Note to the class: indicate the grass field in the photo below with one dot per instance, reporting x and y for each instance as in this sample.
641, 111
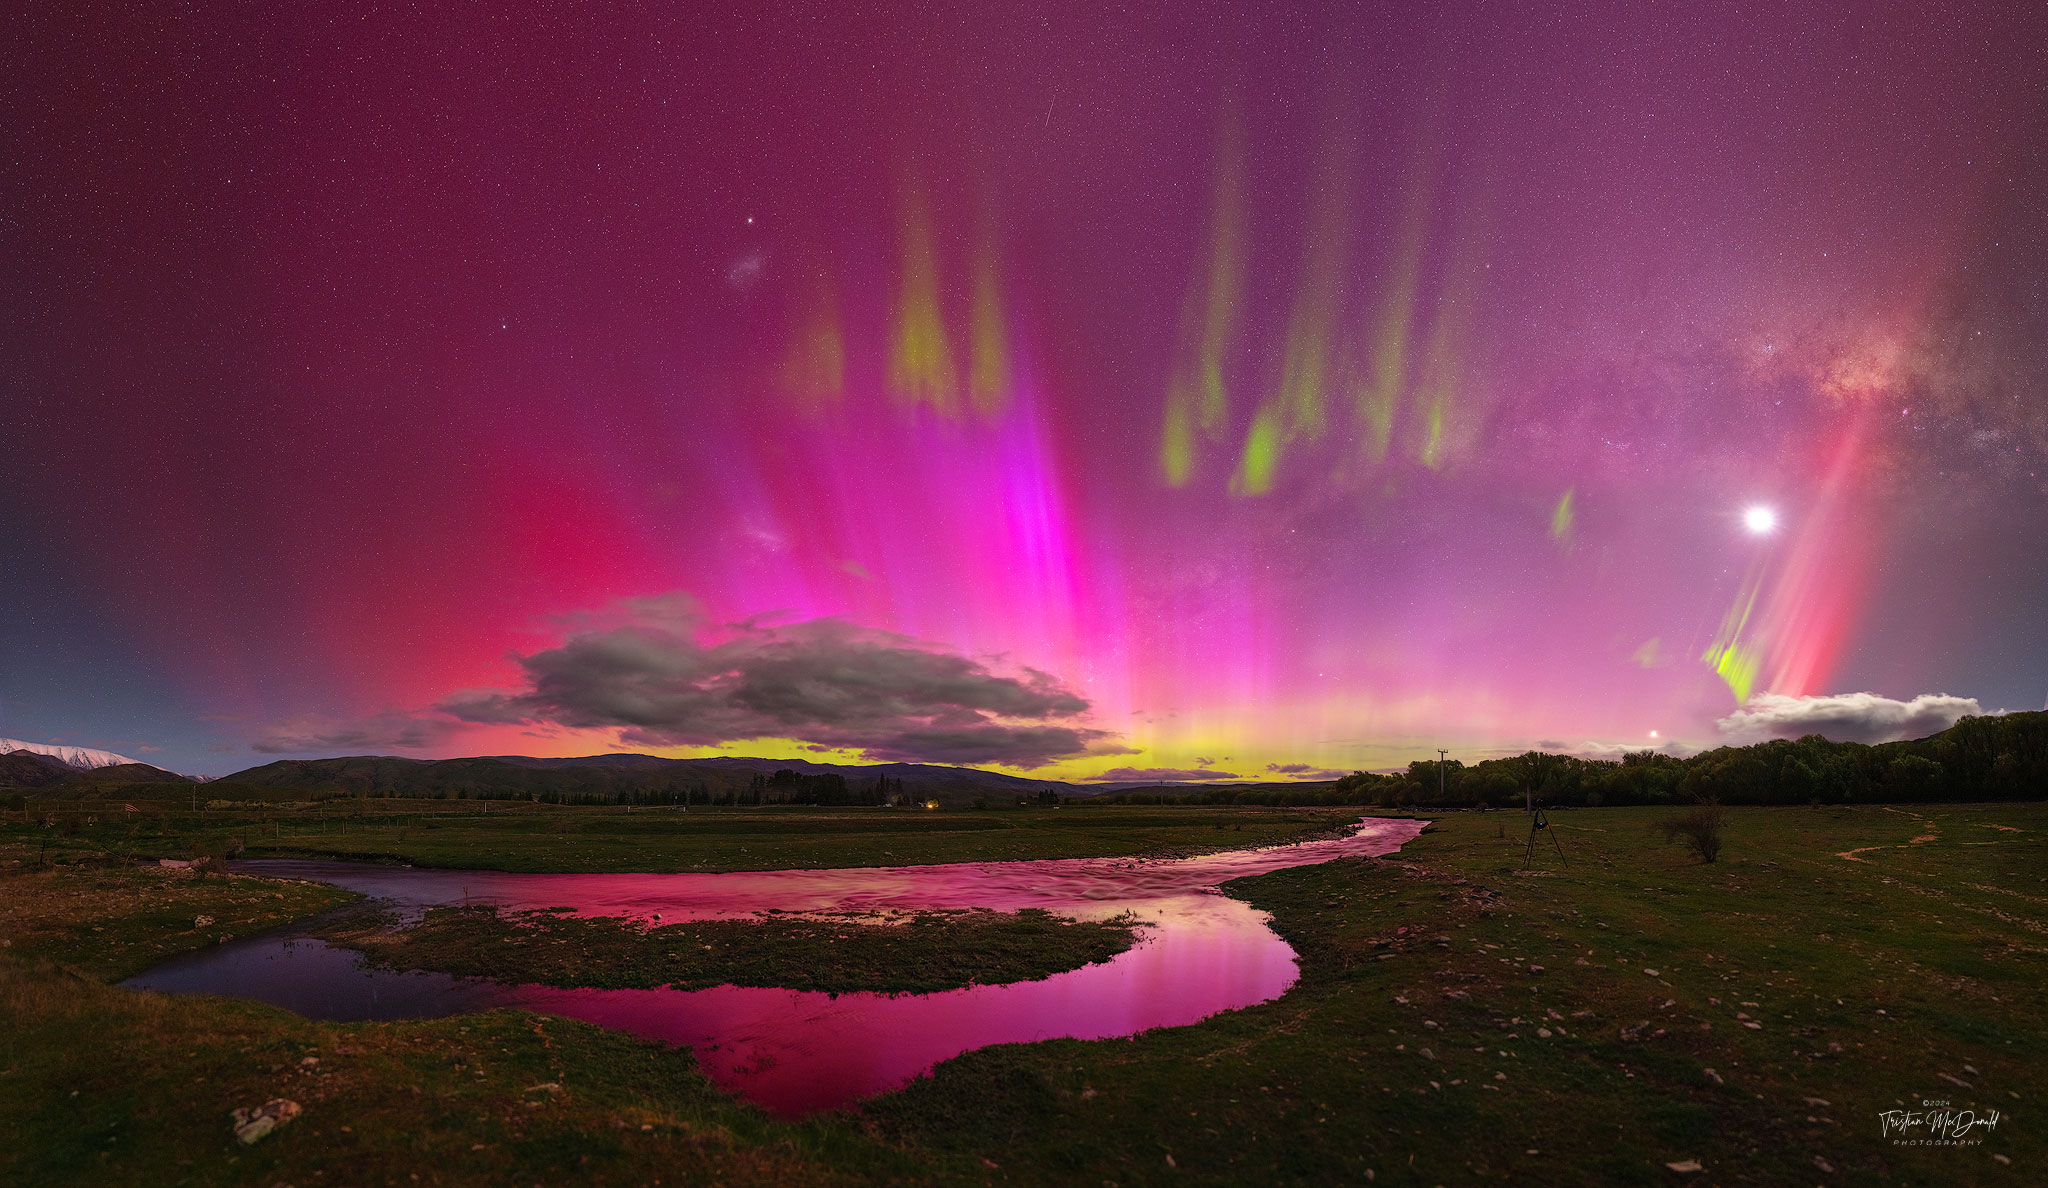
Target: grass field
1456, 1022
540, 838
893, 953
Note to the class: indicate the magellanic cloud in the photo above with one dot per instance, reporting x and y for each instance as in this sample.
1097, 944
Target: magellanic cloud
1844, 717
646, 670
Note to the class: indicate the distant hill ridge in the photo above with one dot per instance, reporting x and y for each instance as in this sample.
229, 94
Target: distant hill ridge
607, 776
38, 769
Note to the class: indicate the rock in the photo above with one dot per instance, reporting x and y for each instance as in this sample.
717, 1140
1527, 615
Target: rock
1686, 1166
201, 921
251, 1125
1650, 972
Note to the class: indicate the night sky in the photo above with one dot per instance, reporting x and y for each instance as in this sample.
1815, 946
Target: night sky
1173, 389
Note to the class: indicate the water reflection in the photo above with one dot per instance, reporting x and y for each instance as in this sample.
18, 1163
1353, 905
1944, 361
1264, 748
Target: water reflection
795, 1052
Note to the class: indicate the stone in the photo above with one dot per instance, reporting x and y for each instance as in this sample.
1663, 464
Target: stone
252, 1124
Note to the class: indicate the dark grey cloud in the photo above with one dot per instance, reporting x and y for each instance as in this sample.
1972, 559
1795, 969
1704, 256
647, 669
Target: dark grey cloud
1162, 775
642, 669
393, 730
1844, 717
1305, 772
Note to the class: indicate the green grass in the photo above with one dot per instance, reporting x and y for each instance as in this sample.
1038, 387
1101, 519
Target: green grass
1417, 1055
1410, 1049
108, 923
539, 838
914, 953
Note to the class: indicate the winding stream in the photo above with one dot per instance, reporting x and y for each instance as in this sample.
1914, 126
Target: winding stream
795, 1052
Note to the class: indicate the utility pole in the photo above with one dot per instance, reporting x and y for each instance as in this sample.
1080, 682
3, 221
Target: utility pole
1442, 756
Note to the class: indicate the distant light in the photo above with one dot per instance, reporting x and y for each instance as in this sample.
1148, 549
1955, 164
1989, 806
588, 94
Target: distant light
1653, 734
1760, 520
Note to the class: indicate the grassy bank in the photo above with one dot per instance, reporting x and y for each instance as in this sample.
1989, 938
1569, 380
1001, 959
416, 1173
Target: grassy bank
1461, 1022
542, 838
1457, 1022
919, 952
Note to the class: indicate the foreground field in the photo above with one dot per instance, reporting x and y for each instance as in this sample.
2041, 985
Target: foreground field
914, 953
540, 838
1456, 1022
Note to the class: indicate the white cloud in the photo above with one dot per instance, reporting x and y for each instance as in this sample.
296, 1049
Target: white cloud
1844, 717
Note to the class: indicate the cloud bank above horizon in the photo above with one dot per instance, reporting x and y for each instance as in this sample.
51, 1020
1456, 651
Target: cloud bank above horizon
643, 668
1845, 717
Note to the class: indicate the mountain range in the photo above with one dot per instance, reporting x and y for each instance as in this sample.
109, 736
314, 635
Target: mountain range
24, 768
603, 777
83, 758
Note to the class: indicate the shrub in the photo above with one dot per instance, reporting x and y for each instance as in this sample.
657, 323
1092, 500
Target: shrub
1699, 828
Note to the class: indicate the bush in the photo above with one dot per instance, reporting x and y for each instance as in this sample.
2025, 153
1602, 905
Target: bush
1699, 829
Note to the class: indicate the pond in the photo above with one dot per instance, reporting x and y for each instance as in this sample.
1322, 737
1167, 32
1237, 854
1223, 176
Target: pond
793, 1052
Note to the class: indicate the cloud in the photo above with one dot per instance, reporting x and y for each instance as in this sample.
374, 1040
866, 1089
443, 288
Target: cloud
1162, 775
1844, 717
642, 667
1305, 772
392, 730
1601, 750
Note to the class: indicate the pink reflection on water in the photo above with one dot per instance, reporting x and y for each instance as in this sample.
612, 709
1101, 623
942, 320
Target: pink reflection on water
796, 1052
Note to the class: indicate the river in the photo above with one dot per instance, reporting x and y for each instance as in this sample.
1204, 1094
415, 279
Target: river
797, 1052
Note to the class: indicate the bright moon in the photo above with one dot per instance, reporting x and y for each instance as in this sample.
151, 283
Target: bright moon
1760, 520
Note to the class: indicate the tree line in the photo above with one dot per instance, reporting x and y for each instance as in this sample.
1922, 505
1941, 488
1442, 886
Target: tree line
1992, 757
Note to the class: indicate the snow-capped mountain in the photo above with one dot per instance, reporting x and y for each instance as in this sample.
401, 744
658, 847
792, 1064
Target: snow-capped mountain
82, 758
